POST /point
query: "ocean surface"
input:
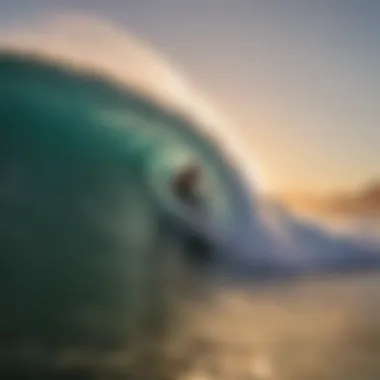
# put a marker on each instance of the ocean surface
(315, 329)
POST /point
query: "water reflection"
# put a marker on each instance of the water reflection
(314, 330)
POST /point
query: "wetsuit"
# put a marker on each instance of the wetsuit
(184, 188)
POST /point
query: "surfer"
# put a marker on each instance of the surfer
(185, 187)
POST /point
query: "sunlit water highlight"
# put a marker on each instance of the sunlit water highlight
(315, 329)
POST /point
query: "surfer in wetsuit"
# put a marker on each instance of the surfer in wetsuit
(185, 187)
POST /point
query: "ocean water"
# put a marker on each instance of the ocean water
(85, 167)
(85, 199)
(320, 329)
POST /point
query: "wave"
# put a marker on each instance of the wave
(87, 209)
(167, 129)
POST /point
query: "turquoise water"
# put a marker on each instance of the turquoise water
(85, 203)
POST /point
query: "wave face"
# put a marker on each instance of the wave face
(87, 214)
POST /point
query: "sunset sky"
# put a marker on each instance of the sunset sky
(301, 80)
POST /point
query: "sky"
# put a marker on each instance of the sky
(299, 80)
